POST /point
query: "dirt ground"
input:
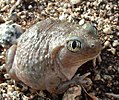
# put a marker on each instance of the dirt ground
(104, 14)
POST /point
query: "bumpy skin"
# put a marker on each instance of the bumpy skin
(43, 59)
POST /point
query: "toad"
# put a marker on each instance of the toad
(48, 54)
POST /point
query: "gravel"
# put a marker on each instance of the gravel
(104, 14)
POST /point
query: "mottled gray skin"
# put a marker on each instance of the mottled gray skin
(9, 33)
(41, 59)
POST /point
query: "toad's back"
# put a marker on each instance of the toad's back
(37, 43)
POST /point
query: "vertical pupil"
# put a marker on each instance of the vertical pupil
(74, 44)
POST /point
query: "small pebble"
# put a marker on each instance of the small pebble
(10, 89)
(81, 22)
(3, 85)
(115, 43)
(23, 16)
(7, 76)
(70, 18)
(110, 68)
(65, 5)
(118, 69)
(107, 44)
(5, 8)
(106, 37)
(107, 77)
(111, 36)
(62, 17)
(12, 1)
(4, 95)
(107, 30)
(117, 33)
(1, 19)
(112, 50)
(60, 9)
(75, 1)
(97, 77)
(2, 67)
(24, 23)
(30, 7)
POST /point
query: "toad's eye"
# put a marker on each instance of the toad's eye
(73, 45)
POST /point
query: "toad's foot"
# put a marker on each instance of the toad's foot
(98, 58)
(74, 93)
(77, 80)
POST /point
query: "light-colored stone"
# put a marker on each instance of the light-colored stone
(115, 43)
(30, 7)
(97, 77)
(7, 76)
(63, 16)
(112, 50)
(81, 22)
(117, 33)
(107, 44)
(107, 30)
(5, 8)
(75, 1)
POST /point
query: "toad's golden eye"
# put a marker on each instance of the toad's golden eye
(73, 45)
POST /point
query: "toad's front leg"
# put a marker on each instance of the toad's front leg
(9, 61)
(77, 80)
(10, 55)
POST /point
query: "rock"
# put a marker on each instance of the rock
(112, 50)
(3, 85)
(30, 7)
(107, 77)
(72, 93)
(107, 30)
(10, 88)
(65, 5)
(75, 1)
(81, 22)
(117, 33)
(70, 18)
(115, 43)
(63, 16)
(97, 77)
(7, 76)
(1, 19)
(12, 1)
(107, 44)
(5, 8)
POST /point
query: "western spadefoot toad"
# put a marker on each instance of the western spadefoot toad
(49, 53)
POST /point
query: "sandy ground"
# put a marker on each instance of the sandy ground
(105, 16)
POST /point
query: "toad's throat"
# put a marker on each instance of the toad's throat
(68, 70)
